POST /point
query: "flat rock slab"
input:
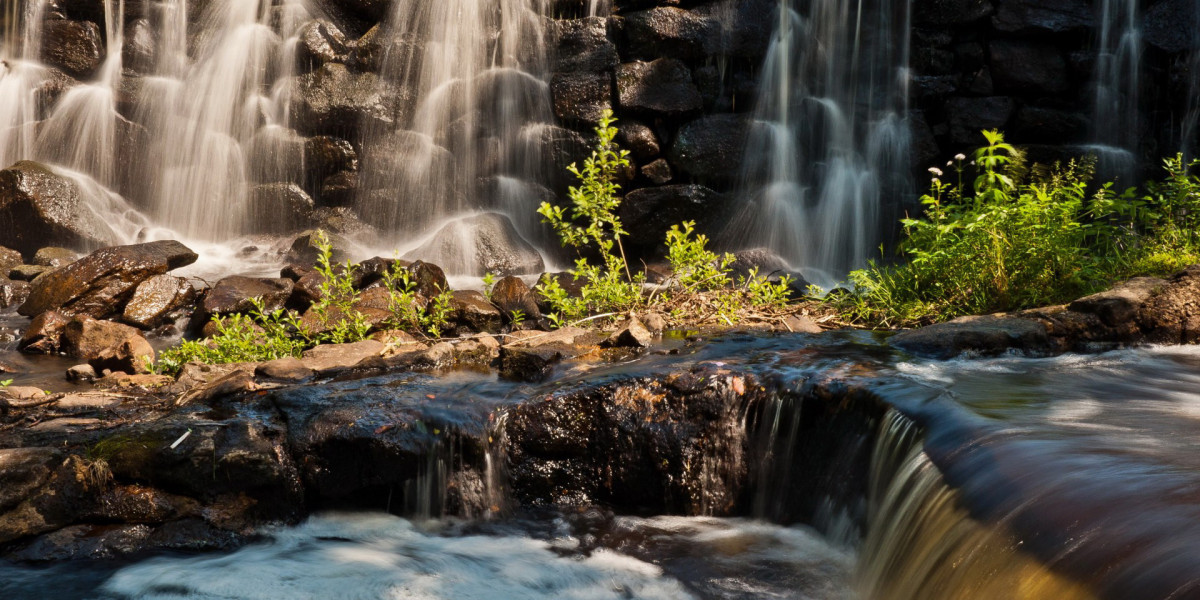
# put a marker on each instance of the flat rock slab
(987, 335)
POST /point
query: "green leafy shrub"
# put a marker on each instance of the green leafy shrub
(592, 224)
(255, 337)
(340, 321)
(1024, 237)
(695, 267)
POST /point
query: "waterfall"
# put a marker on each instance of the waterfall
(472, 78)
(1117, 128)
(922, 544)
(1189, 130)
(829, 139)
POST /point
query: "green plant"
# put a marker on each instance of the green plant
(517, 317)
(489, 282)
(339, 320)
(765, 294)
(695, 267)
(255, 337)
(592, 224)
(436, 316)
(5, 383)
(1026, 237)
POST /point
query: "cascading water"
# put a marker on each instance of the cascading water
(1116, 125)
(474, 96)
(829, 140)
(1189, 129)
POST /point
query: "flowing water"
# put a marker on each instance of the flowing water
(1060, 478)
(829, 137)
(1117, 128)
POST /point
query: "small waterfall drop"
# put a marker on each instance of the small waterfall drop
(829, 142)
(473, 89)
(1116, 124)
(922, 544)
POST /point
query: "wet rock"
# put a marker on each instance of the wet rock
(233, 294)
(950, 12)
(54, 257)
(83, 373)
(511, 295)
(584, 47)
(26, 273)
(289, 369)
(663, 86)
(478, 245)
(155, 298)
(9, 258)
(632, 334)
(326, 155)
(638, 138)
(73, 46)
(304, 249)
(1170, 314)
(800, 324)
(670, 31)
(40, 208)
(968, 116)
(139, 52)
(44, 334)
(649, 212)
(745, 31)
(557, 147)
(99, 284)
(473, 309)
(54, 504)
(1028, 67)
(710, 148)
(319, 42)
(428, 279)
(334, 101)
(107, 345)
(1170, 25)
(22, 471)
(1029, 16)
(529, 364)
(12, 293)
(375, 10)
(987, 335)
(581, 97)
(279, 208)
(764, 260)
(658, 172)
(374, 305)
(328, 357)
(339, 189)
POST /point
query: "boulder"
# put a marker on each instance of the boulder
(233, 294)
(22, 471)
(140, 51)
(658, 172)
(581, 97)
(660, 87)
(373, 304)
(529, 364)
(584, 47)
(304, 248)
(319, 42)
(1026, 17)
(674, 32)
(339, 189)
(763, 259)
(474, 310)
(429, 280)
(648, 213)
(987, 335)
(710, 148)
(54, 257)
(39, 208)
(631, 334)
(12, 293)
(969, 116)
(73, 46)
(511, 294)
(328, 357)
(1171, 25)
(288, 369)
(99, 284)
(279, 208)
(326, 155)
(155, 298)
(638, 138)
(334, 101)
(1028, 67)
(1170, 314)
(478, 245)
(9, 258)
(44, 334)
(747, 30)
(107, 345)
